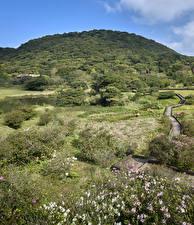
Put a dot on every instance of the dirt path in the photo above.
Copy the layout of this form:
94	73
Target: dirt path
176	127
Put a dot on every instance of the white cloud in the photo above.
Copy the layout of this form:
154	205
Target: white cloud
186	36
154	10
109	8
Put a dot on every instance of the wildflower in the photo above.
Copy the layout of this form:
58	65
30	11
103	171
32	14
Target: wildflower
163	221
133	165
150	208
5	213
33	200
184	223
160	201
137	203
133	210
1	178
182	210
167	215
66	174
177	179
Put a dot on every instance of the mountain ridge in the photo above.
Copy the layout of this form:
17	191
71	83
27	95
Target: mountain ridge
80	49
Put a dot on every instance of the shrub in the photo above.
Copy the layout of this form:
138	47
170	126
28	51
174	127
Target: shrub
188	127
71	97
98	147
162	149
189	100
14	119
59	166
45	118
131	198
36	84
24	146
177	152
166	95
19	196
27	112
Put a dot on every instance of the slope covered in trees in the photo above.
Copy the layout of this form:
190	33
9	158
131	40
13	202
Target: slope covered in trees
98	52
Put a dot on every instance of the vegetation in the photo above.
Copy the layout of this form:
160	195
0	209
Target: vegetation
103	104
78	58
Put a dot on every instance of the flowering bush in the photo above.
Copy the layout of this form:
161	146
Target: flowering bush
60	165
177	152
131	198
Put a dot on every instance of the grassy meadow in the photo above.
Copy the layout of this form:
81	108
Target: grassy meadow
59	152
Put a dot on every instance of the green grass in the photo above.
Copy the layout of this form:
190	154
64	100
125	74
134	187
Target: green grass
5	92
121	121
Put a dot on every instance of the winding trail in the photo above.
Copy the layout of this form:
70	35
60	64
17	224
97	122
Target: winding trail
134	162
176	127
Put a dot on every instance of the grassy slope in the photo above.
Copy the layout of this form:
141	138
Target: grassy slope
137	130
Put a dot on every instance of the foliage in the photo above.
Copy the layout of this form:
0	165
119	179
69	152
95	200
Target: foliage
45	118
110	95
71	97
99	147
166	95
15	118
59	165
188	127
131	198
31	145
177	152
189	100
19	197
36	84
78	54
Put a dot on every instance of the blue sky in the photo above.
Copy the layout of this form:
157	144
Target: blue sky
170	22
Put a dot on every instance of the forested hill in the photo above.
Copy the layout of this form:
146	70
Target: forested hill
93	51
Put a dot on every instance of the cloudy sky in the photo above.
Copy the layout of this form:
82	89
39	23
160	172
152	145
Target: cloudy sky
170	22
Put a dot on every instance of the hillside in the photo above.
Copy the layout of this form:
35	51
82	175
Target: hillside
96	50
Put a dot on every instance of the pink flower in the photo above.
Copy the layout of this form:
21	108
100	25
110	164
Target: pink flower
133	210
1	178
133	165
5	214
33	200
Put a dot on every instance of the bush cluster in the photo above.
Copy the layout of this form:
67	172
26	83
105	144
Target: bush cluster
59	165
131	198
177	152
45	118
99	147
166	95
15	118
24	146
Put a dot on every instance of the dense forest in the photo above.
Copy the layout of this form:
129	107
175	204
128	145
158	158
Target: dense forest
130	56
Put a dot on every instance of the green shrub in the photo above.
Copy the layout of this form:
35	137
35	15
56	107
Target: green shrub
45	118
189	100
131	198
99	147
71	97
188	127
27	112
20	197
162	149
24	146
59	166
166	95
177	152
14	119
